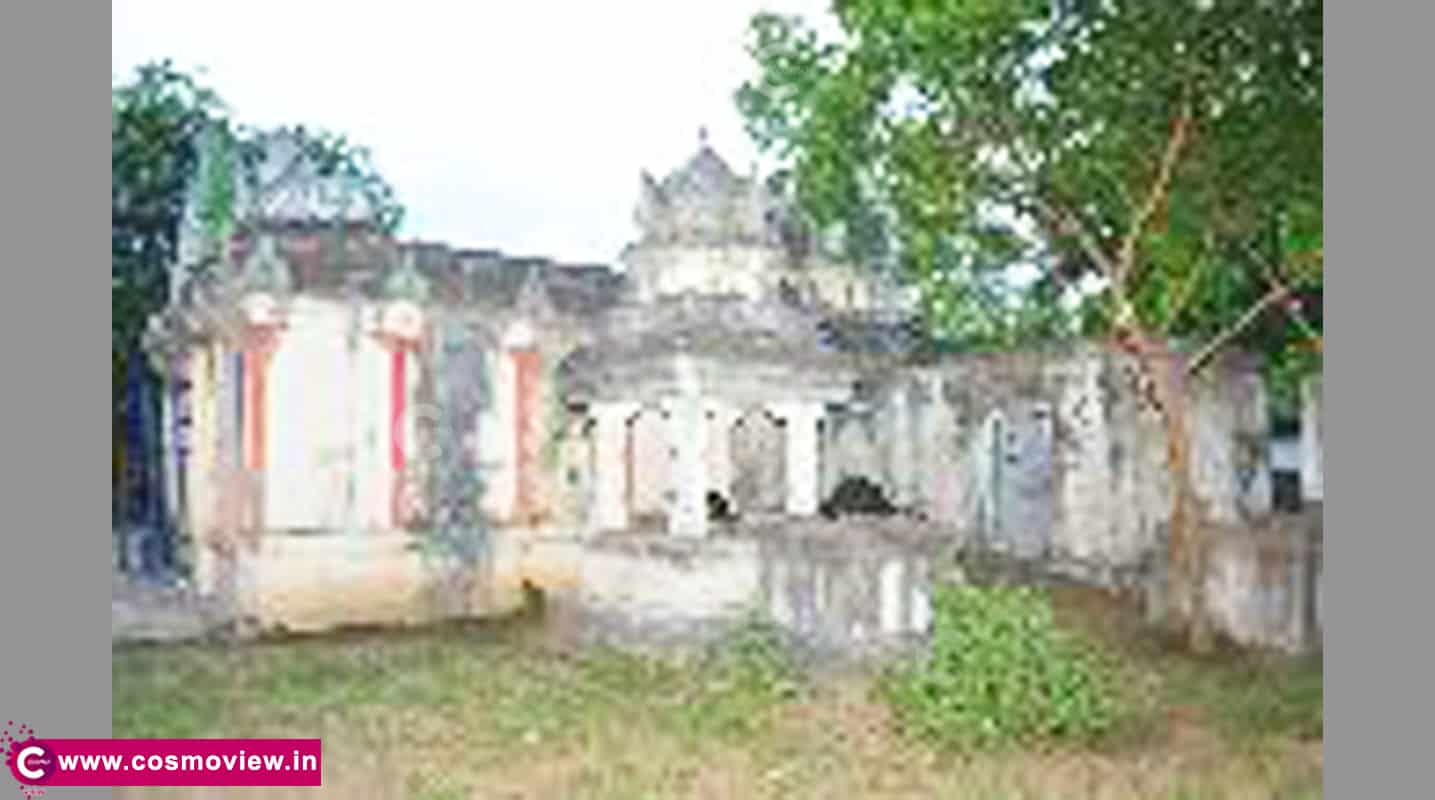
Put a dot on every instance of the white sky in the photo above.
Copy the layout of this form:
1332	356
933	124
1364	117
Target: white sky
517	126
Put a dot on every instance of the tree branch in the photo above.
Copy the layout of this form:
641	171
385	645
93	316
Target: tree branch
1160	191
1059	216
1273	277
1068	223
1184	293
1275	295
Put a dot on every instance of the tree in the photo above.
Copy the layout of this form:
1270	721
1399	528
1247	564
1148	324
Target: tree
1154	167
156	123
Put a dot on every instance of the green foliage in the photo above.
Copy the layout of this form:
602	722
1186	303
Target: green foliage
1000	673
979	134
157	122
216	188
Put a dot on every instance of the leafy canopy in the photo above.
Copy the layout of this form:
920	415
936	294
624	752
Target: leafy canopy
1154	166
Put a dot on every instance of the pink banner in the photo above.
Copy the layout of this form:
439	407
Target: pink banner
167	762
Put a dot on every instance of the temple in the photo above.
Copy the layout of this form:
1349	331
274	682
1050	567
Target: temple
674	433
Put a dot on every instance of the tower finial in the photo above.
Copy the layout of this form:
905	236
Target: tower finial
702	136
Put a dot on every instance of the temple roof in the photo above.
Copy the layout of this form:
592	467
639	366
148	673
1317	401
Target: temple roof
776	344
286	186
705	174
704	201
317	260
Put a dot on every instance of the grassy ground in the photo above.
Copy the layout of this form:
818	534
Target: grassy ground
497	711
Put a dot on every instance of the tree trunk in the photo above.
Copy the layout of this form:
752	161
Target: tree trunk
1186	545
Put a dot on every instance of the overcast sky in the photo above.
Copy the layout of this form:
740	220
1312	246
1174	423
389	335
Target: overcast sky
517	126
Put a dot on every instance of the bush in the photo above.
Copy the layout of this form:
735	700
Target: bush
1000	672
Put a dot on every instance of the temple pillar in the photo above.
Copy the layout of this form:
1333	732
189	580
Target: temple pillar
202	467
1312	474
260	345
901	455
802	456
688	436
721	418
610	478
527	433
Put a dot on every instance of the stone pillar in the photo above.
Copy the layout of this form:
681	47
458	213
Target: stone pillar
689	432
940	459
1312	476
260	345
900	455
528	442
201	445
721	418
503	477
169	439
610	478
802	457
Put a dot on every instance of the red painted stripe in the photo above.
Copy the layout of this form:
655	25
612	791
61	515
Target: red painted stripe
261	412
397	393
526	365
254	408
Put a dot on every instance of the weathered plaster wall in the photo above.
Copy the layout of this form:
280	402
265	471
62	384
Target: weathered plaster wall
845	589
758	445
327	422
333	579
704	269
1049	454
655	589
852	588
1264	582
841	287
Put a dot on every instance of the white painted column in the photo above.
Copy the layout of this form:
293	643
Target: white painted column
721	418
900	452
202	467
373	477
802	456
610	479
498	437
1312	476
168	441
939	459
891	611
688	436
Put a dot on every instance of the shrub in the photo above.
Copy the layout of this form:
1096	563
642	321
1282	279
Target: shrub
1000	672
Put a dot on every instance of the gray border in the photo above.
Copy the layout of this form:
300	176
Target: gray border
1377	157
55	670
55	568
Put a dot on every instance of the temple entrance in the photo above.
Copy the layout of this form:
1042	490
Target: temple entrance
759	480
650	467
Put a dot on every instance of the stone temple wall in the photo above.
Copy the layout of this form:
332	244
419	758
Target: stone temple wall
1048	455
839	590
327	408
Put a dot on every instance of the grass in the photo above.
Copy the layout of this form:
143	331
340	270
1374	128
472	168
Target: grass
478	711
